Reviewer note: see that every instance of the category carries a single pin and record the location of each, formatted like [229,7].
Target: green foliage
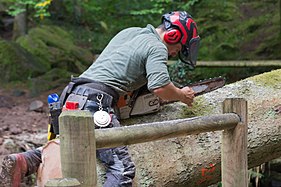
[261,32]
[39,7]
[157,7]
[226,27]
[214,28]
[180,73]
[229,30]
[102,19]
[161,6]
[19,6]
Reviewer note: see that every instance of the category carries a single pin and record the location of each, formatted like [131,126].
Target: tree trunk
[57,10]
[195,160]
[280,18]
[77,12]
[20,25]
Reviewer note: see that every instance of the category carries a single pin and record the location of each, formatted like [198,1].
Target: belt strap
[96,85]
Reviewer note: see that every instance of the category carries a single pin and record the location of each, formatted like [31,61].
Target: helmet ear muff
[172,36]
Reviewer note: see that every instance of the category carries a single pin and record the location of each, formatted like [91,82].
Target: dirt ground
[17,118]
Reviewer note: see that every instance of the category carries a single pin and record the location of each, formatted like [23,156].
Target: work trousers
[120,169]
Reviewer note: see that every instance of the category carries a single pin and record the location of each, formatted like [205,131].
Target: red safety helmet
[182,28]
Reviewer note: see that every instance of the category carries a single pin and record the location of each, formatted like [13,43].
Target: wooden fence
[79,141]
[240,63]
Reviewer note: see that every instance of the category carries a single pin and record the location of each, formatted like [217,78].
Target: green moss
[50,80]
[199,108]
[17,63]
[36,47]
[45,58]
[53,36]
[43,42]
[269,79]
[55,48]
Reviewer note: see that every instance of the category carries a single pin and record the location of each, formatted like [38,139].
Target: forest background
[44,42]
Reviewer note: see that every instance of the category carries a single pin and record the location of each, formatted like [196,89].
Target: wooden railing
[79,141]
[240,63]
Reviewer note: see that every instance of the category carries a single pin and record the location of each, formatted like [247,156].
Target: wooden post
[234,146]
[78,147]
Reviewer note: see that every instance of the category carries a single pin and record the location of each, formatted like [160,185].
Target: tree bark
[77,12]
[280,18]
[58,9]
[20,25]
[195,160]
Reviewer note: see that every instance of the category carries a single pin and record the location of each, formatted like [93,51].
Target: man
[133,58]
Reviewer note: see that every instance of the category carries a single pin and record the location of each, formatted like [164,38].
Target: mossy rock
[17,64]
[55,78]
[55,49]
[271,79]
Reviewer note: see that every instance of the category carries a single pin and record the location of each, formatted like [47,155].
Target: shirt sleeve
[156,67]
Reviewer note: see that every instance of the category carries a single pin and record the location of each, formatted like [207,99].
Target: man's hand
[172,93]
[187,96]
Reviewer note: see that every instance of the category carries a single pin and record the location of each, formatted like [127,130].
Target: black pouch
[75,81]
[78,98]
[54,120]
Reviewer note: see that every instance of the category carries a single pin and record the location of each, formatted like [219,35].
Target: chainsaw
[142,101]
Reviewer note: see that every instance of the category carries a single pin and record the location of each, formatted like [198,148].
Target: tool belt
[80,86]
[86,93]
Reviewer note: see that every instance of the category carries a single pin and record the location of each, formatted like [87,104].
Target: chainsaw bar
[208,85]
[202,87]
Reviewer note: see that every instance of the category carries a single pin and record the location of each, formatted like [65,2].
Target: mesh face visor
[188,54]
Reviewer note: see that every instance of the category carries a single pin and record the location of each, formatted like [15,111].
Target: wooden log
[234,146]
[63,182]
[50,168]
[78,147]
[181,161]
[128,135]
[195,160]
[245,63]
